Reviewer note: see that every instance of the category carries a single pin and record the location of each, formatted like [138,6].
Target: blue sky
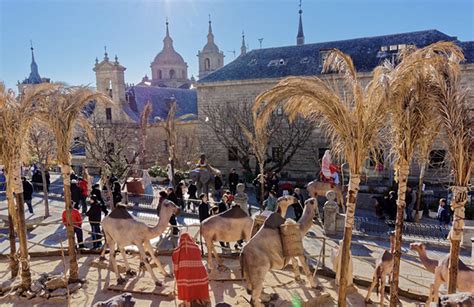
[69,34]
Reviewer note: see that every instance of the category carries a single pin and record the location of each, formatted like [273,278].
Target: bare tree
[42,146]
[228,122]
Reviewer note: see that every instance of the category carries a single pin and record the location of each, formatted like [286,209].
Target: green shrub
[157,171]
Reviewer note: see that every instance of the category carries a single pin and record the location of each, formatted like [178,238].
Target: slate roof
[160,98]
[305,60]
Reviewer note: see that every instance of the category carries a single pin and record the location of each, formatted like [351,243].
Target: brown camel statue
[383,267]
[465,280]
[231,226]
[121,228]
[316,188]
[264,252]
[336,265]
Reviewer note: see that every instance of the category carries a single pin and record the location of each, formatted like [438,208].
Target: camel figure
[316,188]
[231,226]
[383,267]
[121,228]
[465,281]
[336,264]
[264,252]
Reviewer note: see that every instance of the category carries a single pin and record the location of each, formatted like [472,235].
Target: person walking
[270,204]
[172,196]
[95,192]
[116,193]
[233,181]
[82,183]
[27,193]
[95,217]
[203,207]
[298,207]
[77,224]
[192,197]
[443,215]
[76,193]
[218,186]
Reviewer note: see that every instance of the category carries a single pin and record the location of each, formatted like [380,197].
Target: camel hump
[386,256]
[120,212]
[274,221]
[234,213]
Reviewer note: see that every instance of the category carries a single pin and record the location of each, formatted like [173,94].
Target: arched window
[172,74]
[160,76]
[109,88]
[207,64]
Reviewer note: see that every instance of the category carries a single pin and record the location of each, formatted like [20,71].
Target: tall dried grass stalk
[459,127]
[413,113]
[62,111]
[16,116]
[351,117]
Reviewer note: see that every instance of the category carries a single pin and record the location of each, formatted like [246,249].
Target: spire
[168,41]
[243,48]
[210,36]
[34,77]
[300,36]
[106,55]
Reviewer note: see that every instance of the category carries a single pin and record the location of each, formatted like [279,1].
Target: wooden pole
[402,188]
[420,191]
[45,191]
[353,190]
[14,267]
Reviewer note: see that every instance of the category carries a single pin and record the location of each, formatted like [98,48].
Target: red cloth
[83,187]
[76,218]
[189,271]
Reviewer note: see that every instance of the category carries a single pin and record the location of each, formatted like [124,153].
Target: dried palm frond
[352,120]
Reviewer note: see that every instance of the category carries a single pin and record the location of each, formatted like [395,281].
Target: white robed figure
[328,169]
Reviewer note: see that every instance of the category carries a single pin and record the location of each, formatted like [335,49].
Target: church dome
[210,47]
[168,56]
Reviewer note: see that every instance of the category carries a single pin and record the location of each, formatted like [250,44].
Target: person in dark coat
[27,193]
[76,193]
[116,193]
[98,195]
[192,190]
[37,181]
[203,207]
[95,216]
[218,186]
[180,194]
[174,199]
[223,204]
[298,207]
[233,181]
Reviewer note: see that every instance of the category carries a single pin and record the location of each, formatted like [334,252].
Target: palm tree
[413,112]
[351,117]
[61,112]
[459,128]
[16,115]
[169,125]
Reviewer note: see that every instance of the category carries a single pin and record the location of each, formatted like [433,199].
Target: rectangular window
[108,114]
[276,153]
[437,158]
[232,153]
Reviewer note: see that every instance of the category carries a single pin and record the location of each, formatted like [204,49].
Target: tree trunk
[21,227]
[403,172]
[459,199]
[172,179]
[73,267]
[11,229]
[45,192]
[353,189]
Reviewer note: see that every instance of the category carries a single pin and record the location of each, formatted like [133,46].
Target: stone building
[258,70]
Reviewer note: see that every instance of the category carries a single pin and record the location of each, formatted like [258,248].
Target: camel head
[284,202]
[311,204]
[169,206]
[418,247]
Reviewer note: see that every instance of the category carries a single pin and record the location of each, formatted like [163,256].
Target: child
[95,216]
[77,223]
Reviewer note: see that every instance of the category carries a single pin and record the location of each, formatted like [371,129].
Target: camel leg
[147,265]
[372,286]
[436,285]
[307,271]
[296,269]
[210,264]
[104,249]
[430,296]
[120,280]
[129,272]
[150,250]
[382,288]
[257,280]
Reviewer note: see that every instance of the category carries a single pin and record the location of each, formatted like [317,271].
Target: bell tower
[210,58]
[110,80]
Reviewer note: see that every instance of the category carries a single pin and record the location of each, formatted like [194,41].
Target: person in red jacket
[77,223]
[82,183]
